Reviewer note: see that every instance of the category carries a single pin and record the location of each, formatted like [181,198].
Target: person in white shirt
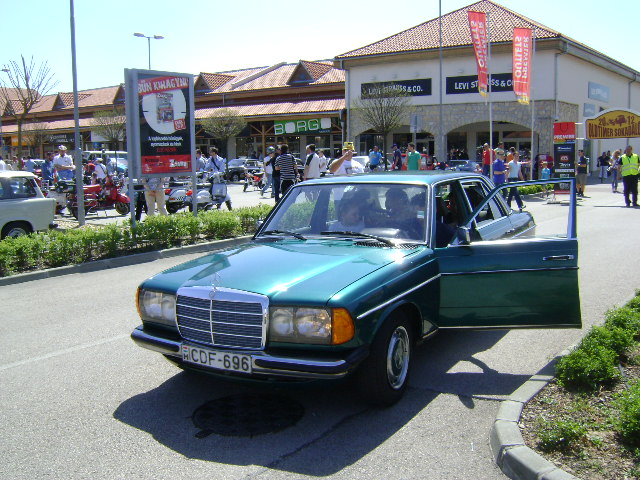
[100,170]
[345,165]
[312,165]
[3,166]
[269,160]
[322,160]
[216,164]
[64,164]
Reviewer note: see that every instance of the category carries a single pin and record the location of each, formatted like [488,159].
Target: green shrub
[626,318]
[628,420]
[28,251]
[560,434]
[249,216]
[588,367]
[217,224]
[635,304]
[109,241]
[610,336]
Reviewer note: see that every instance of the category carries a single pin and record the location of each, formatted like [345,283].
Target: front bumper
[264,364]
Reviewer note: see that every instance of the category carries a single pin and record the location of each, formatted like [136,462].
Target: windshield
[236,162]
[389,211]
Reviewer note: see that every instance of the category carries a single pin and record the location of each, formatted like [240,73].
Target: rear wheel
[15,229]
[122,208]
[383,376]
[235,177]
[171,208]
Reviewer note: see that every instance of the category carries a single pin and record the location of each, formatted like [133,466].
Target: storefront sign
[598,92]
[58,138]
[303,125]
[522,64]
[415,88]
[160,123]
[613,124]
[479,38]
[500,82]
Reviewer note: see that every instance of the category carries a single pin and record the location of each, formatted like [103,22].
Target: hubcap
[398,355]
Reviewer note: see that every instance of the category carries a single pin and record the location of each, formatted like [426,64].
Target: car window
[392,211]
[475,192]
[4,194]
[22,187]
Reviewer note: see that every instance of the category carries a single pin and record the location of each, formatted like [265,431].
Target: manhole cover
[246,415]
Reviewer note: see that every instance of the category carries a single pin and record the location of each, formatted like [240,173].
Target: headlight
[157,307]
[310,325]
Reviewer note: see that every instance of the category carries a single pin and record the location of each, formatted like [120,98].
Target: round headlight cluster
[300,325]
[157,307]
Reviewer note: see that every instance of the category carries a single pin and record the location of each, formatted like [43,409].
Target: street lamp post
[148,37]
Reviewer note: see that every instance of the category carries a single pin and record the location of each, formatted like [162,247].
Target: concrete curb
[515,459]
[124,260]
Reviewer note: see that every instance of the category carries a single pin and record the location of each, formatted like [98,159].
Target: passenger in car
[350,218]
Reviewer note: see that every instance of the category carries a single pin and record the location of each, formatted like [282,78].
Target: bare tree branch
[382,110]
[111,125]
[26,87]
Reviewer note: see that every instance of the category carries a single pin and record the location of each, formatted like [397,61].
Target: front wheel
[15,229]
[122,208]
[383,377]
[235,177]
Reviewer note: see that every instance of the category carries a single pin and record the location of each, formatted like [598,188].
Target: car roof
[422,176]
[16,173]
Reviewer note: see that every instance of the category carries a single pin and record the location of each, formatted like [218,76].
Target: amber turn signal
[342,328]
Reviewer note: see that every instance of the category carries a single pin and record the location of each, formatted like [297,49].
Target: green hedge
[56,248]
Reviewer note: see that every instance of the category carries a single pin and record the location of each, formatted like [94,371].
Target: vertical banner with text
[522,64]
[479,38]
[160,122]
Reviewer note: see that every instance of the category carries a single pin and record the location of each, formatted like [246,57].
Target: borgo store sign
[316,125]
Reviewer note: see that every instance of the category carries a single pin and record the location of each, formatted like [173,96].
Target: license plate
[235,362]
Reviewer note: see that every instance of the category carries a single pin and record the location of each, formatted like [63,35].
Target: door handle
[554,258]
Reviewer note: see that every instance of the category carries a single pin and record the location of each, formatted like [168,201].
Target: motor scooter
[100,197]
[176,195]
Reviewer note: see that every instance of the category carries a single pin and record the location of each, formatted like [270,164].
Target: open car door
[510,269]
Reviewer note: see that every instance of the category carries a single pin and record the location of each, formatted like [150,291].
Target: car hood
[296,271]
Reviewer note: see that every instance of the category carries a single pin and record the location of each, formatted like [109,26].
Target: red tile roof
[455,31]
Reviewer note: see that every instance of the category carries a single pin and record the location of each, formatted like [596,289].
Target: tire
[122,208]
[383,376]
[172,208]
[15,229]
[235,177]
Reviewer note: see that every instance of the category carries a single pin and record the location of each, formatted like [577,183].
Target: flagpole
[489,97]
[533,103]
[442,150]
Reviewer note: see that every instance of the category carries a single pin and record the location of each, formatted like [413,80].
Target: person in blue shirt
[499,168]
[374,158]
[48,168]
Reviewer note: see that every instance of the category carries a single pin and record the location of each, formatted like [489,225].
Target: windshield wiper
[283,232]
[363,235]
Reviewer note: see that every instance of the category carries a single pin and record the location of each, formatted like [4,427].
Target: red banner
[522,64]
[479,38]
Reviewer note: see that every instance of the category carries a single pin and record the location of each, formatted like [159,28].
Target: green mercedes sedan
[348,274]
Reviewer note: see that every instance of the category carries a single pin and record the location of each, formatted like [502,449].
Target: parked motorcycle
[100,197]
[175,195]
[210,194]
[255,180]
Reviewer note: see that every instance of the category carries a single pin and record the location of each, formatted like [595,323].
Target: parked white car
[23,207]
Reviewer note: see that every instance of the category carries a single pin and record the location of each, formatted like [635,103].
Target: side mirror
[463,236]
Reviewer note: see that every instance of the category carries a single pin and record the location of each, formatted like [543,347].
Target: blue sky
[219,35]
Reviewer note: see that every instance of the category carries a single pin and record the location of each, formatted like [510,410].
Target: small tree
[27,85]
[222,125]
[383,110]
[36,133]
[111,125]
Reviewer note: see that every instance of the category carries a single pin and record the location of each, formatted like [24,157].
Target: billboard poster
[480,41]
[160,115]
[522,64]
[500,82]
[613,123]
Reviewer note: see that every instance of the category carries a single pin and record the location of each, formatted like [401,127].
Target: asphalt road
[80,400]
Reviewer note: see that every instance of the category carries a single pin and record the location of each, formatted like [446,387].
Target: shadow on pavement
[337,428]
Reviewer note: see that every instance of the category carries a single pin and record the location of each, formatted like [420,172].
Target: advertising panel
[315,125]
[479,38]
[522,64]
[613,124]
[564,153]
[160,122]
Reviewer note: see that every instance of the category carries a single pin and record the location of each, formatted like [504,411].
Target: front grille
[231,319]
